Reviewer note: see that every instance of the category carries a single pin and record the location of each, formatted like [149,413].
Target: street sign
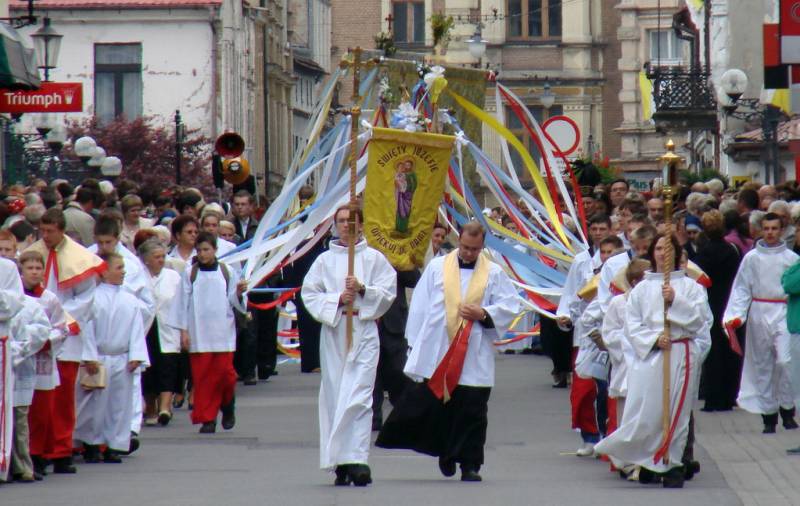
[564,132]
[51,97]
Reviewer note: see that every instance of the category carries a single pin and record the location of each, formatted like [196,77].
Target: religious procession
[436,261]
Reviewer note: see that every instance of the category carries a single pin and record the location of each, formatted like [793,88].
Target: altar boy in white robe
[461,304]
[639,440]
[115,340]
[348,368]
[757,298]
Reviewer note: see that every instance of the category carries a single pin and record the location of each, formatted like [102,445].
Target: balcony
[684,98]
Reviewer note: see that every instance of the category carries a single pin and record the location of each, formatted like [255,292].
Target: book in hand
[92,381]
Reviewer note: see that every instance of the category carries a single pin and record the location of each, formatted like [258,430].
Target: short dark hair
[179,223]
[440,225]
[599,219]
[206,237]
[86,195]
[65,189]
[187,199]
[772,217]
[54,216]
[620,180]
[346,207]
[612,240]
[22,229]
[748,197]
[49,198]
[245,193]
[30,256]
[106,225]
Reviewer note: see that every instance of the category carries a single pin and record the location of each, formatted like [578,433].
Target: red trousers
[582,398]
[214,384]
[52,416]
[612,415]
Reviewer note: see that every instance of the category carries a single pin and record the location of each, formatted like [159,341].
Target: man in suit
[243,220]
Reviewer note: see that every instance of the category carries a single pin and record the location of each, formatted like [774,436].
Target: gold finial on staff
[670,162]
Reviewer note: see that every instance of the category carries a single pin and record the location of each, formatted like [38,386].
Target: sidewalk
[755,465]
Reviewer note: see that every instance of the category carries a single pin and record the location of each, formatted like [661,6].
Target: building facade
[208,59]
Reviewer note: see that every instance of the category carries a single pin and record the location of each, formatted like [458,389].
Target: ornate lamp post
[47,43]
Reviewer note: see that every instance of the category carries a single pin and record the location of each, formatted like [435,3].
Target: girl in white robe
[639,439]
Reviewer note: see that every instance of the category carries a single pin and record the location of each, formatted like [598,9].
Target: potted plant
[385,42]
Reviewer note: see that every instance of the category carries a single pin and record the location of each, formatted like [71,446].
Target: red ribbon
[277,302]
[662,452]
[448,372]
[3,401]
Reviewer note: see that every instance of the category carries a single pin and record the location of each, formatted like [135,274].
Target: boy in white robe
[107,233]
[29,331]
[639,440]
[203,311]
[758,298]
[9,280]
[41,409]
[461,304]
[348,368]
[115,341]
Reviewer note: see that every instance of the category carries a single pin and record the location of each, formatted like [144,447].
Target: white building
[204,58]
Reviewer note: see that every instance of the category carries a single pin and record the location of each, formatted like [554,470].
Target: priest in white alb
[461,304]
[348,365]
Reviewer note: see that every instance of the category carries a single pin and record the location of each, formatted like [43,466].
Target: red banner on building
[790,31]
[51,97]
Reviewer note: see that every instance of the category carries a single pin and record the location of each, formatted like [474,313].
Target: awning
[17,63]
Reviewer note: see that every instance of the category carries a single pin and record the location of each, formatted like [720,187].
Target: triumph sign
[51,97]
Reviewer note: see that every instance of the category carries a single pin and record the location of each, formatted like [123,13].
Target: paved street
[271,458]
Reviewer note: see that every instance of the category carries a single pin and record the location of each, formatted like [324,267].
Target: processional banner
[405,182]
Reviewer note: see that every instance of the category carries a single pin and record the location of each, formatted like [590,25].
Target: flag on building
[646,96]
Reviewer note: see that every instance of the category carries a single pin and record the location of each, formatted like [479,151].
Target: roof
[111,4]
[787,131]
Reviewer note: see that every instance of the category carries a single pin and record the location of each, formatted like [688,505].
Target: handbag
[92,381]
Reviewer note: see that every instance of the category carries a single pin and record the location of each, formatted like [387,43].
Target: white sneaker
[587,450]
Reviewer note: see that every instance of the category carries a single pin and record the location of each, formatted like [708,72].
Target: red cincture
[446,376]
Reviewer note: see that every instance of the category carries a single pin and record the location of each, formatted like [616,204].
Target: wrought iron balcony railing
[683,95]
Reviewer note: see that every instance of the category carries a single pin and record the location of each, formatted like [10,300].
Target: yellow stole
[451,277]
[73,262]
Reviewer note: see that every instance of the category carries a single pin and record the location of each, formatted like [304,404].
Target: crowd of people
[116,310]
[118,306]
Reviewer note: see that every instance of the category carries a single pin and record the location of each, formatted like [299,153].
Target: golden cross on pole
[355,113]
[670,162]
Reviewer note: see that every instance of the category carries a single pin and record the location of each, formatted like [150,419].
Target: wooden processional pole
[670,163]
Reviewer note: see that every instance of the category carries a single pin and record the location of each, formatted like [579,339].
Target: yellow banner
[405,182]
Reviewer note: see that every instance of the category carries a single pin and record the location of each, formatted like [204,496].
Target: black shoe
[342,475]
[787,415]
[176,403]
[360,474]
[250,381]
[164,418]
[208,428]
[447,466]
[39,465]
[228,416]
[111,457]
[770,423]
[690,468]
[38,476]
[560,380]
[646,476]
[64,466]
[91,454]
[793,451]
[133,445]
[470,475]
[673,478]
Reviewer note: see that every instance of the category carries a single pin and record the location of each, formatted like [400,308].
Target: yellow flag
[646,92]
[405,182]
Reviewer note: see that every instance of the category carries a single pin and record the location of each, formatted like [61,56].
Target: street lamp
[547,98]
[732,85]
[111,167]
[47,43]
[477,45]
[84,148]
[97,159]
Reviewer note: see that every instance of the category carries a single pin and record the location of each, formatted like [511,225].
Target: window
[533,19]
[517,128]
[409,22]
[665,47]
[117,81]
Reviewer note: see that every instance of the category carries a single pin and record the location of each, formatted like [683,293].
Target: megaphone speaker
[229,145]
[235,170]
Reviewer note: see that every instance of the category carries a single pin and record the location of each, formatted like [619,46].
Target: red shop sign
[51,97]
